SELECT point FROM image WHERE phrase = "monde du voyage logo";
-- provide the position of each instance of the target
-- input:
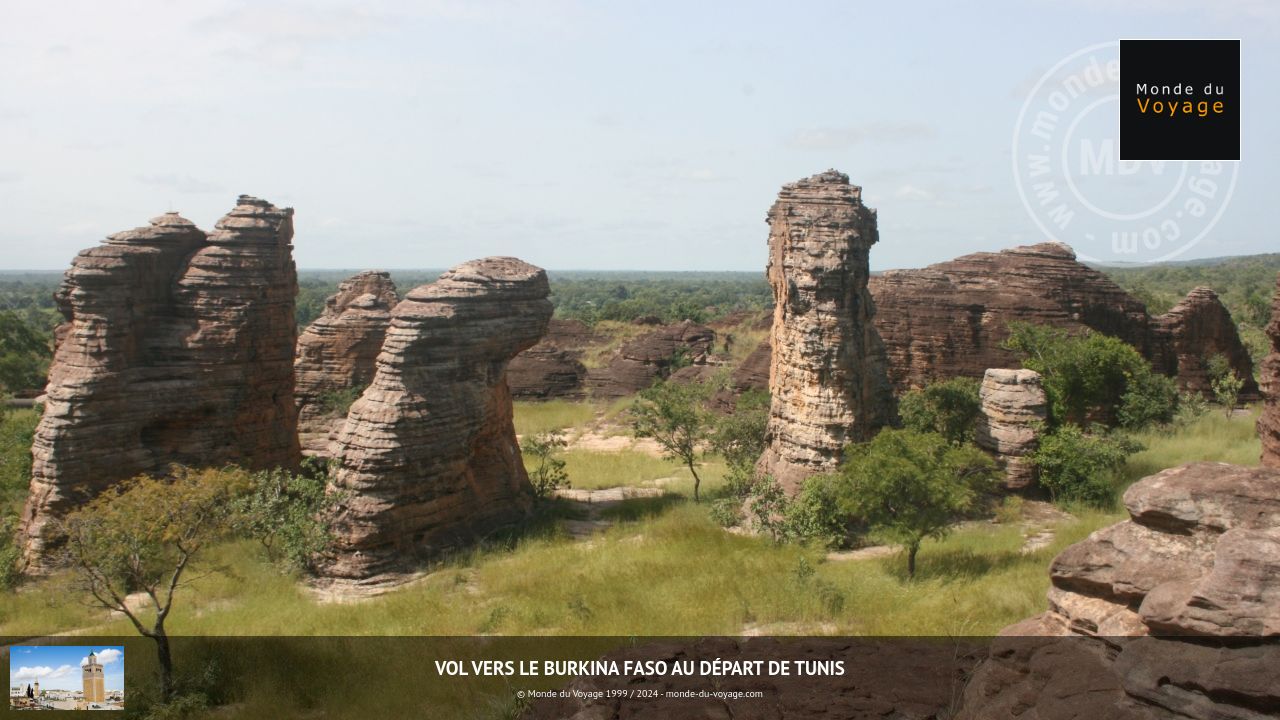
(1126, 150)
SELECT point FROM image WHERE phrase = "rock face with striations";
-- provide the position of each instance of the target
(827, 379)
(1013, 408)
(1193, 331)
(950, 319)
(650, 357)
(1174, 613)
(337, 352)
(177, 347)
(1269, 423)
(427, 457)
(553, 368)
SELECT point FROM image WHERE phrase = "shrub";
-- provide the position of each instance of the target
(739, 438)
(1079, 466)
(814, 515)
(1224, 382)
(10, 552)
(908, 486)
(1093, 377)
(726, 512)
(287, 513)
(947, 407)
(337, 403)
(548, 472)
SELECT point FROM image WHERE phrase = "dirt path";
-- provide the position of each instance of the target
(595, 502)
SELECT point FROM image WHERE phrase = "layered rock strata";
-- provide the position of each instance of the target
(952, 318)
(1174, 613)
(650, 357)
(1195, 330)
(553, 368)
(336, 354)
(1012, 414)
(427, 458)
(827, 377)
(177, 347)
(1269, 422)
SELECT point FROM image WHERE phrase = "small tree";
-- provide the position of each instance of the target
(1224, 382)
(142, 536)
(908, 485)
(739, 438)
(947, 407)
(287, 512)
(548, 472)
(675, 416)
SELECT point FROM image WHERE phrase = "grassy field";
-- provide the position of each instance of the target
(662, 568)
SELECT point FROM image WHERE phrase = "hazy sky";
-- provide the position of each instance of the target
(598, 135)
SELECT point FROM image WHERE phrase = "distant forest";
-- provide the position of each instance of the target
(1246, 283)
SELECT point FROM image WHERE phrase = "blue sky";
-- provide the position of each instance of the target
(598, 135)
(58, 666)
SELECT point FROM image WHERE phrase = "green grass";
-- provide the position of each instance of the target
(1210, 437)
(536, 417)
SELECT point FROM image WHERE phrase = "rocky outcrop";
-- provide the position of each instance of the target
(1188, 336)
(427, 457)
(1269, 422)
(1172, 613)
(827, 380)
(177, 347)
(336, 354)
(1012, 414)
(951, 319)
(651, 357)
(553, 368)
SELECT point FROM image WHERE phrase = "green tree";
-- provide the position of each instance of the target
(1079, 466)
(908, 485)
(24, 354)
(548, 472)
(288, 513)
(1093, 377)
(143, 536)
(676, 417)
(1224, 382)
(947, 407)
(739, 438)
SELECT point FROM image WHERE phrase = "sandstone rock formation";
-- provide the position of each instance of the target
(1014, 407)
(950, 319)
(650, 357)
(1174, 613)
(827, 380)
(1190, 334)
(1269, 423)
(177, 348)
(427, 457)
(553, 368)
(336, 353)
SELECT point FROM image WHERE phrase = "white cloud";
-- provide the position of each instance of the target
(42, 672)
(106, 656)
(911, 192)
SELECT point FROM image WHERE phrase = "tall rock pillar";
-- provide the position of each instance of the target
(827, 378)
(1269, 423)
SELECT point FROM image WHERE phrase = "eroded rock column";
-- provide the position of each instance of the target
(337, 353)
(428, 456)
(827, 376)
(1013, 411)
(177, 347)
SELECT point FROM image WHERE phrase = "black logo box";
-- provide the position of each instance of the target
(1187, 69)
